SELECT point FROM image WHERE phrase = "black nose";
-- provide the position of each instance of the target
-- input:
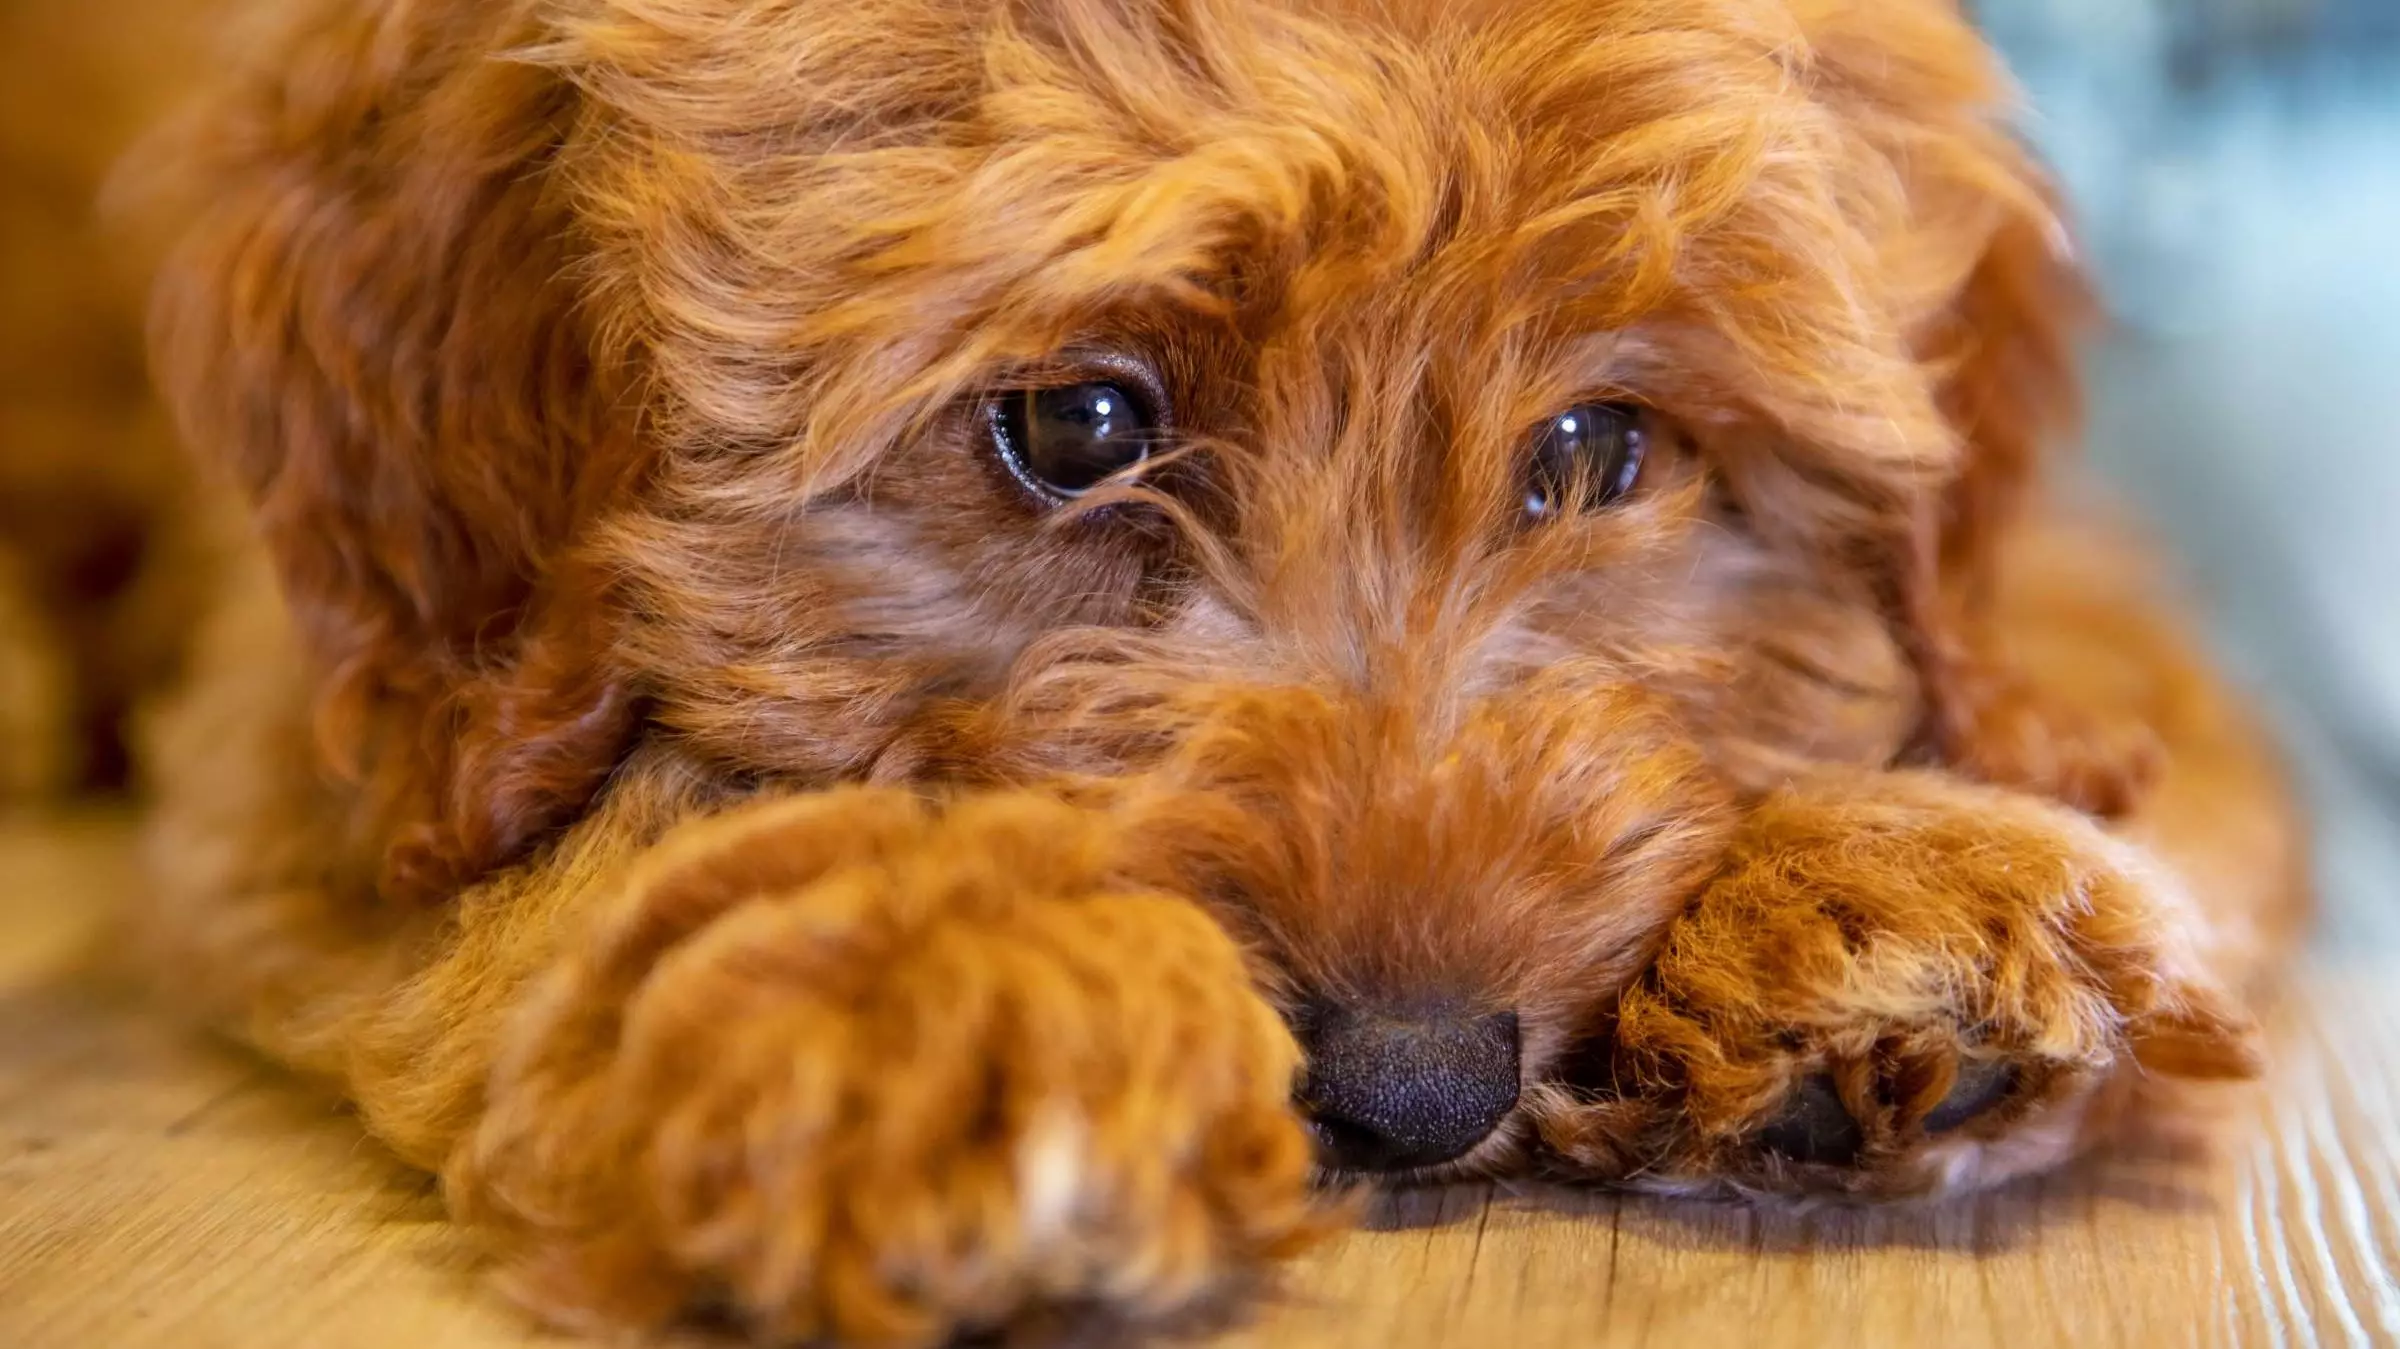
(1393, 1092)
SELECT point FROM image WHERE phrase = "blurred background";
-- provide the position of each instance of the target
(2236, 168)
(2236, 164)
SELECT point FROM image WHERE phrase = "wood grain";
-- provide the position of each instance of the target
(157, 1189)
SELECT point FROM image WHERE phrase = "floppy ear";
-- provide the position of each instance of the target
(1986, 261)
(2011, 391)
(367, 318)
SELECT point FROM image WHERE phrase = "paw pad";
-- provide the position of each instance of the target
(1981, 1086)
(1814, 1127)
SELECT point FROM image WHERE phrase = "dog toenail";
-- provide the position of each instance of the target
(1814, 1128)
(1982, 1084)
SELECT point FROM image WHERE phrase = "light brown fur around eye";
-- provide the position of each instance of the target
(659, 765)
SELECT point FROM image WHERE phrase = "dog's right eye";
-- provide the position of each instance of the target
(1062, 442)
(1587, 457)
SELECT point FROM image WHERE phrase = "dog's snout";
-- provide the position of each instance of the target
(1398, 1091)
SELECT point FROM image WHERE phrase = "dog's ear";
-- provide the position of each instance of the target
(2005, 353)
(1998, 303)
(366, 317)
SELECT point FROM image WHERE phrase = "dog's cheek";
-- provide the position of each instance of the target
(1010, 564)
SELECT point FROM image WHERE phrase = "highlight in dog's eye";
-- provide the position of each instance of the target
(1588, 456)
(1064, 441)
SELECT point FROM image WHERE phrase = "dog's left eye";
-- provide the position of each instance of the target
(1062, 442)
(1588, 456)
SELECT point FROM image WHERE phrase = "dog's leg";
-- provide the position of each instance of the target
(845, 1066)
(841, 1065)
(1903, 983)
(837, 1066)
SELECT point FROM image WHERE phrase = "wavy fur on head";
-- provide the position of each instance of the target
(691, 794)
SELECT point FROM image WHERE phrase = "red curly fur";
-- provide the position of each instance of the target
(690, 797)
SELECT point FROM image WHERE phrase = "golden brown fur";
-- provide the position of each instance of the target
(688, 797)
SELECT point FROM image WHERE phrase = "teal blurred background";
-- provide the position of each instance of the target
(2236, 168)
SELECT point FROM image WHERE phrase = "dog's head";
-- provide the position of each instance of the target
(1420, 463)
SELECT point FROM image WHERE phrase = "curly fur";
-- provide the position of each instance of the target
(689, 797)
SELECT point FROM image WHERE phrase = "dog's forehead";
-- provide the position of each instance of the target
(1523, 134)
(1142, 136)
(1428, 183)
(1391, 165)
(903, 196)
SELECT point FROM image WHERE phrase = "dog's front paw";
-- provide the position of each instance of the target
(843, 1068)
(1900, 984)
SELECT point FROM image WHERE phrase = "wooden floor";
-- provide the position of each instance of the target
(158, 1189)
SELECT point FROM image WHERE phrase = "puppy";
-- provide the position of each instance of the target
(908, 659)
